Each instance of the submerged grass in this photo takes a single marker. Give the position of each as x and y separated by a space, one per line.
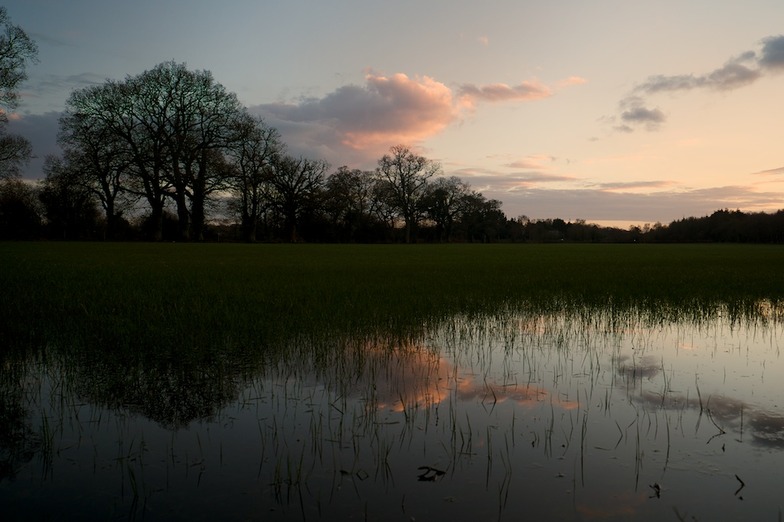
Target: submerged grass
170 296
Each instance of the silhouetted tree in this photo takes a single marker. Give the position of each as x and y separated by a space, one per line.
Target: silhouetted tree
294 188
444 203
20 210
196 117
250 157
482 219
16 51
174 125
405 176
116 107
350 203
69 207
103 164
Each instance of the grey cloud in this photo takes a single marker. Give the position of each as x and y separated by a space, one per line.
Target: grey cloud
605 205
366 119
634 112
316 140
50 40
48 92
503 92
625 185
773 52
503 181
768 172
532 162
732 75
659 83
643 115
737 72
72 81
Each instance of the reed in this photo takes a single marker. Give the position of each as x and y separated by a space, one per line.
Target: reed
169 296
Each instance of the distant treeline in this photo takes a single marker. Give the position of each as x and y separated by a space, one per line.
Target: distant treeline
723 226
30 212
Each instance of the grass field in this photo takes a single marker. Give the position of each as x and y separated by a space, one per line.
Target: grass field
196 295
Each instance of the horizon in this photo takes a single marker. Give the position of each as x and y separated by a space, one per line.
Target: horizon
631 114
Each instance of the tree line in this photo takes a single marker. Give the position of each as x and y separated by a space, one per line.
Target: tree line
170 154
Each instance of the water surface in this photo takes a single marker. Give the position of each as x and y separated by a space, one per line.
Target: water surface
578 415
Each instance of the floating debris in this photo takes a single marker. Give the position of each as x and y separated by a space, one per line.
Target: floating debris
429 474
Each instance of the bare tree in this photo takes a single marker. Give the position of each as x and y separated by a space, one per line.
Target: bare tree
16 51
445 202
103 162
70 208
115 111
350 199
406 176
20 210
482 219
294 188
198 115
251 155
170 127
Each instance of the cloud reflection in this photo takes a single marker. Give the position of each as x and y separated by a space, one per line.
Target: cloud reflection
766 427
417 378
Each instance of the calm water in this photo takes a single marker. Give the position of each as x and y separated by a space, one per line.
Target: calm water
560 416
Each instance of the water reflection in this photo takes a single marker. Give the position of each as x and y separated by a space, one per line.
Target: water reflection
592 415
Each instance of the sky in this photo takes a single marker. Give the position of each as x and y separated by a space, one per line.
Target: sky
617 112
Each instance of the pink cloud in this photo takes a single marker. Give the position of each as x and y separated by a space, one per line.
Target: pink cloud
534 162
359 122
407 110
470 94
385 111
572 80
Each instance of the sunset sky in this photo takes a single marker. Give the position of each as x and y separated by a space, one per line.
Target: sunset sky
616 112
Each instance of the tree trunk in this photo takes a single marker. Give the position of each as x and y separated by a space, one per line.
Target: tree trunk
183 215
197 217
156 222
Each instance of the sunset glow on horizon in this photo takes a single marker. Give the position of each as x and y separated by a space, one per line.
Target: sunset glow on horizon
616 114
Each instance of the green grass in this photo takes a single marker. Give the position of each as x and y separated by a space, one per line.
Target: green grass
168 296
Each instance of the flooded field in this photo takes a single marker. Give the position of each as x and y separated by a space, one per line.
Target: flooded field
595 414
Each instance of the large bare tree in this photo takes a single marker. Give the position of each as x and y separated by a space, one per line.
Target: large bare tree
114 111
198 116
170 126
405 177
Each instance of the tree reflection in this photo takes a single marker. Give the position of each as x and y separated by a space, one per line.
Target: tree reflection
18 441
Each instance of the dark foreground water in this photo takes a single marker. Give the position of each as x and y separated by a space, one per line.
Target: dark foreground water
590 416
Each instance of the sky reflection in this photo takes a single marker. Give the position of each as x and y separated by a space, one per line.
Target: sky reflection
547 416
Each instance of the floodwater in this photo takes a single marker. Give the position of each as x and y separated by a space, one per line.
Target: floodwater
597 415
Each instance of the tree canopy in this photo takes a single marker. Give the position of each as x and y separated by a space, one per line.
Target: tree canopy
17 51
